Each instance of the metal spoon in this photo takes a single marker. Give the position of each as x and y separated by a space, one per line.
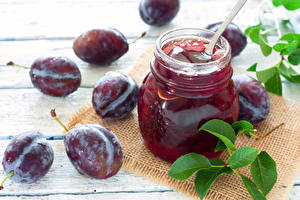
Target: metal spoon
207 54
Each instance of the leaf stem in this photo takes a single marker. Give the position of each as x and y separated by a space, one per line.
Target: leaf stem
249 132
253 135
238 174
271 131
269 30
220 166
229 152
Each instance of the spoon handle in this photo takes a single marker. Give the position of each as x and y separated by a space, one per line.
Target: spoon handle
219 32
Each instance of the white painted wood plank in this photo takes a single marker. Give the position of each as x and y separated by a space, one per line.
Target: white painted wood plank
294 193
69 18
28 109
297 181
63 178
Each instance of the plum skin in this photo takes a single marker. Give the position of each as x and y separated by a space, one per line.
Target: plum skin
100 46
158 12
94 150
29 155
234 35
253 99
115 96
55 76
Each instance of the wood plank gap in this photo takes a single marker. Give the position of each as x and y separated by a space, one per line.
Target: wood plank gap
85 193
51 137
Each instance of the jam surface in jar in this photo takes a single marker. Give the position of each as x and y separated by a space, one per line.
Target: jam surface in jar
189 50
173 104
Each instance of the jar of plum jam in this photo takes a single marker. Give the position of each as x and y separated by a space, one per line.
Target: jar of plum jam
181 93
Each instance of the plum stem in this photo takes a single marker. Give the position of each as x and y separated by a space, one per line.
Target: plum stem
140 37
10 63
8 175
53 114
271 131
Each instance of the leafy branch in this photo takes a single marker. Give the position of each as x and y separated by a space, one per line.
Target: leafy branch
287 46
263 167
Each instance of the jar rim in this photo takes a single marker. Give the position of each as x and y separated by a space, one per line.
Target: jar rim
204 67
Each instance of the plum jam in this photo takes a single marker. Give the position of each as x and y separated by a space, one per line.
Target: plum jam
181 93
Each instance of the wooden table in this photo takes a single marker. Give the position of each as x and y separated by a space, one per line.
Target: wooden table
29 29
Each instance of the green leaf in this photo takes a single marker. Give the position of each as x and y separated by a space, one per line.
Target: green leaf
288 4
286 21
294 57
263 172
286 26
206 177
290 48
271 79
289 73
250 28
266 74
274 84
252 189
295 77
217 161
220 146
265 48
289 37
224 139
280 46
254 34
242 157
220 127
186 165
291 4
252 68
222 130
286 48
277 2
243 126
284 71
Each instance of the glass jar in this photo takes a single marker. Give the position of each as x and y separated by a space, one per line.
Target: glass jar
177 97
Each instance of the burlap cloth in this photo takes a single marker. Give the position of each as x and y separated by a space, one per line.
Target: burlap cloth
283 145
